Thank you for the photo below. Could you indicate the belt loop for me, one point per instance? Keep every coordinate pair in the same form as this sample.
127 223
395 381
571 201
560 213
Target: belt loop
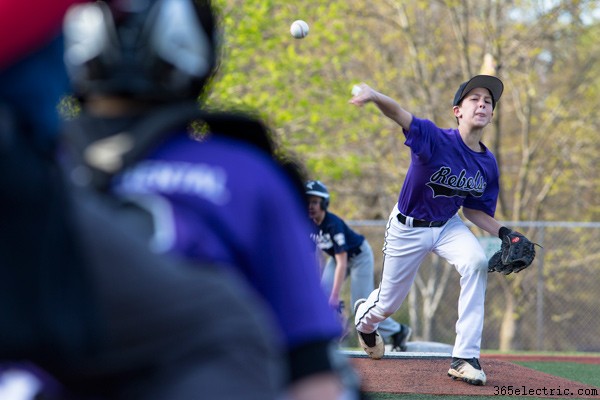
409 221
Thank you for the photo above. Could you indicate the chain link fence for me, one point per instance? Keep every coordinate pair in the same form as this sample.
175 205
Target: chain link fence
554 305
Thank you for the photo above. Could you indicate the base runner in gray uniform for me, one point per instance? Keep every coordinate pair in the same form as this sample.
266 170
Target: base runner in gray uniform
449 169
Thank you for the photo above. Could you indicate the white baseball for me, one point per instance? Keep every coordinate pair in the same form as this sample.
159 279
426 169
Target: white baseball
356 90
299 29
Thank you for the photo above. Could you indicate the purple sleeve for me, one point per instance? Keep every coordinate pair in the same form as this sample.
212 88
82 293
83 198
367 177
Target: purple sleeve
420 138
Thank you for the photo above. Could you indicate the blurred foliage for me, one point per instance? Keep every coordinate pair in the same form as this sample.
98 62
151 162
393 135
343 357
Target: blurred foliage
418 52
545 128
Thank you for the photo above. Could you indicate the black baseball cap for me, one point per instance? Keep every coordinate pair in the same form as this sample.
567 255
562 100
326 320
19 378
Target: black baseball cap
491 83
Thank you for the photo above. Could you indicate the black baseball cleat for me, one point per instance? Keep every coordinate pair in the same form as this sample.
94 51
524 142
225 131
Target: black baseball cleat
467 370
400 338
372 343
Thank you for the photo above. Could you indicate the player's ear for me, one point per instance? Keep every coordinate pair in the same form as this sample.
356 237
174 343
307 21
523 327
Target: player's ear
457 112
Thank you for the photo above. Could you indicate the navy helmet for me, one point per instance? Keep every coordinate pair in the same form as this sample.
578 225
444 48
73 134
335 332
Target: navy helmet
317 188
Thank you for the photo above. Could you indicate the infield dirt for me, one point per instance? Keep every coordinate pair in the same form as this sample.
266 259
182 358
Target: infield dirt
429 376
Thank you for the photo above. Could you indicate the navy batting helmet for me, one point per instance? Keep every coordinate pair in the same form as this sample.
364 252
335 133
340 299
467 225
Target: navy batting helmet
159 50
317 188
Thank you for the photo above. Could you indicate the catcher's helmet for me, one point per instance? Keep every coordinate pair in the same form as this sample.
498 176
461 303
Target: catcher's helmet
159 50
317 188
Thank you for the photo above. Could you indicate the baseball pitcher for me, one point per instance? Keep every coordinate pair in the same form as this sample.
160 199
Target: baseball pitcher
449 169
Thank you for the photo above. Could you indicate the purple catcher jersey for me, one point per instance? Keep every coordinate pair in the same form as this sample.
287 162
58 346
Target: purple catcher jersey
445 174
224 200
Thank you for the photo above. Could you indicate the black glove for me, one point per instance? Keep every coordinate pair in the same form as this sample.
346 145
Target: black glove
516 253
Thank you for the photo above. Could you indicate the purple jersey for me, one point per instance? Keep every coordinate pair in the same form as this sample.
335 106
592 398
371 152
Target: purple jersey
445 174
229 202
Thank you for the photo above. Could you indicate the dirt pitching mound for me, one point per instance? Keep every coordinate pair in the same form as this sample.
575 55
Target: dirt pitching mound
429 376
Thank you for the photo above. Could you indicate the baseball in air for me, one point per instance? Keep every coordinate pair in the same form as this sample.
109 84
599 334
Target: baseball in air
299 29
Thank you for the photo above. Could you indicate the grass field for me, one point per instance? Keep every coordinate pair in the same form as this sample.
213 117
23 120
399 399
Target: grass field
588 374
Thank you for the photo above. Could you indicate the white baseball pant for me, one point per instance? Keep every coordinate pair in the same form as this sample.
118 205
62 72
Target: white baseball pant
404 249
360 270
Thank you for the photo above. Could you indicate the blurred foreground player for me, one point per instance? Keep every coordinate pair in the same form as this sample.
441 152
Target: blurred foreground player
221 197
80 296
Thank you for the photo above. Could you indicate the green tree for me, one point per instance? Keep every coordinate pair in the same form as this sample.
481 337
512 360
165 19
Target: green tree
545 128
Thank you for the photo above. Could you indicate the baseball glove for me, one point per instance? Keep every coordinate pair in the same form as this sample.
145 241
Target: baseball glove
516 253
